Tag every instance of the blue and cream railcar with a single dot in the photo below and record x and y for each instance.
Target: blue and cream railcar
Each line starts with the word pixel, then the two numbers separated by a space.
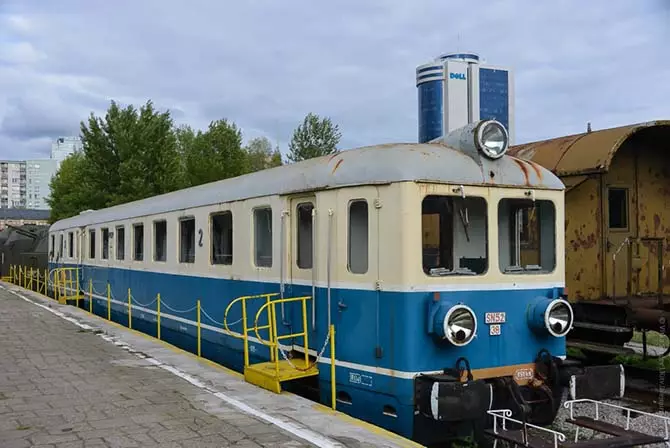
pixel 439 264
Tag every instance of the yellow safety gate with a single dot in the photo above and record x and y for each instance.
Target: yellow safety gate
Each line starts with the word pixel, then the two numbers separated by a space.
pixel 270 375
pixel 66 284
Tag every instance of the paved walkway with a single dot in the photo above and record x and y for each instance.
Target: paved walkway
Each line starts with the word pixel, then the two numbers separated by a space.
pixel 68 379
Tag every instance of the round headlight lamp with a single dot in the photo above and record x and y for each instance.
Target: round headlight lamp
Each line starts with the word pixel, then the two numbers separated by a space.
pixel 553 316
pixel 492 139
pixel 460 325
pixel 558 317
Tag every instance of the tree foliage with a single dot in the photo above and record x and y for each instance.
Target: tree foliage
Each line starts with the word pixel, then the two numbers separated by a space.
pixel 315 137
pixel 261 156
pixel 130 154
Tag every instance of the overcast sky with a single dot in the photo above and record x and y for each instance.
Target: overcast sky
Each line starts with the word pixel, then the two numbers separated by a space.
pixel 264 64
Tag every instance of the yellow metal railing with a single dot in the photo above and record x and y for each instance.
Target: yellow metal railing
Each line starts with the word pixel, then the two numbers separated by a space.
pixel 66 284
pixel 273 341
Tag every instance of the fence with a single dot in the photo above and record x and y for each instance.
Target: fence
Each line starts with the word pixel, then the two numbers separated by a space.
pixel 65 286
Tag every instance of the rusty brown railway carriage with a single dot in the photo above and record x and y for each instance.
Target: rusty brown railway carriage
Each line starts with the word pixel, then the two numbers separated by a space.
pixel 617 227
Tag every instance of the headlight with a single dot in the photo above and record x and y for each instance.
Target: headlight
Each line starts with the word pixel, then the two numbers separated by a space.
pixel 558 317
pixel 492 139
pixel 460 325
pixel 551 315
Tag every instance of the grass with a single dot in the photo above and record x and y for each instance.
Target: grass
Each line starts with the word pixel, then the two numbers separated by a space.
pixel 649 363
pixel 653 338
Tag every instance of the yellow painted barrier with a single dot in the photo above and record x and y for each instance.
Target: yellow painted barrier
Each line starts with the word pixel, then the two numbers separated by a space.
pixel 130 310
pixel 199 344
pixel 332 366
pixel 109 302
pixel 158 315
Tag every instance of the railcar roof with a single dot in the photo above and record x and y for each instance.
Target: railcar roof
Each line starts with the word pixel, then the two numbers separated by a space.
pixel 379 164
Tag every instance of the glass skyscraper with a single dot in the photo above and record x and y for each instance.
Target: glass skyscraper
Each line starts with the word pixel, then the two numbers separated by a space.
pixel 456 89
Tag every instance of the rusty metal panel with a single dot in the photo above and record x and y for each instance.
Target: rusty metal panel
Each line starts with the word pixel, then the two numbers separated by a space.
pixel 590 152
pixel 571 182
pixel 582 233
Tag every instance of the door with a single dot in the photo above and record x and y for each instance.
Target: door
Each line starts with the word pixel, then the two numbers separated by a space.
pixel 620 251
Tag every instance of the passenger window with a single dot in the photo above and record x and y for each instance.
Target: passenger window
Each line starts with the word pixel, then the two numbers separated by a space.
pixel 263 237
pixel 105 244
pixel 91 244
pixel 61 246
pixel 304 239
pixel 454 235
pixel 222 238
pixel 187 240
pixel 53 246
pixel 120 243
pixel 357 253
pixel 70 242
pixel 160 240
pixel 618 208
pixel 138 242
pixel 527 236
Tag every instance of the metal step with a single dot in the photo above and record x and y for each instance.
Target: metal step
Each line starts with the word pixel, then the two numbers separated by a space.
pixel 270 375
pixel 601 327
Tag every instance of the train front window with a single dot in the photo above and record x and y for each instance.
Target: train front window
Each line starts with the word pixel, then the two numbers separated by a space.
pixel 454 235
pixel 527 236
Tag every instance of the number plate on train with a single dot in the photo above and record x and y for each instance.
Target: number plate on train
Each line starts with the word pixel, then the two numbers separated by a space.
pixel 495 318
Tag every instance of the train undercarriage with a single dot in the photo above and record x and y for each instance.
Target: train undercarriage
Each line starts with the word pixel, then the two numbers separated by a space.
pixel 500 410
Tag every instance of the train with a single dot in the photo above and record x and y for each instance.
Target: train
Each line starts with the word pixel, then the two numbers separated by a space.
pixel 413 253
pixel 617 227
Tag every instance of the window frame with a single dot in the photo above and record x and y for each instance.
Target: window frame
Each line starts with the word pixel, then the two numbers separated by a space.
pixel 181 221
pixel 103 231
pixel 120 244
pixel 254 244
pixel 487 234
pixel 92 244
pixel 212 239
pixel 155 240
pixel 134 253
pixel 70 243
pixel 298 204
pixel 555 232
pixel 626 189
pixel 350 203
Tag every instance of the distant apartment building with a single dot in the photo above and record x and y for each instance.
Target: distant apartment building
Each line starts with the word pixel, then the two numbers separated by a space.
pixel 63 147
pixel 24 184
pixel 12 184
pixel 38 177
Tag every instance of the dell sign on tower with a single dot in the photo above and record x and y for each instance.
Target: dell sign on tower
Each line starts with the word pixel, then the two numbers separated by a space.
pixel 455 89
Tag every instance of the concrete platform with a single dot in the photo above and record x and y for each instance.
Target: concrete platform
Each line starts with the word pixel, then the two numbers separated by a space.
pixel 71 379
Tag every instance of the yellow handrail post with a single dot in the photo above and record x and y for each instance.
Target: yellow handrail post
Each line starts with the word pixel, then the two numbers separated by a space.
pixel 130 311
pixel 90 295
pixel 109 302
pixel 244 333
pixel 11 273
pixel 304 323
pixel 199 343
pixel 272 319
pixel 158 315
pixel 31 279
pixel 25 278
pixel 332 366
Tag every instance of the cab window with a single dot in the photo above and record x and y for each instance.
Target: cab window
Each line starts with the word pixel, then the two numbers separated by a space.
pixel 454 235
pixel 527 236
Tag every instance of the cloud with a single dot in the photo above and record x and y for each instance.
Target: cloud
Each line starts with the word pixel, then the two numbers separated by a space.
pixel 265 64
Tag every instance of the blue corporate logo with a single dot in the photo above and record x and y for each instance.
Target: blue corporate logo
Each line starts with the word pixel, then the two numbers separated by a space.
pixel 456 75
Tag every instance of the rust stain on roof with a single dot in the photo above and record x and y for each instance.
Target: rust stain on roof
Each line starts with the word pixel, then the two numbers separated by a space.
pixel 589 152
pixel 337 165
pixel 524 170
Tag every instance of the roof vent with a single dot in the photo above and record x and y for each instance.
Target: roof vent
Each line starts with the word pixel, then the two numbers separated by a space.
pixel 86 211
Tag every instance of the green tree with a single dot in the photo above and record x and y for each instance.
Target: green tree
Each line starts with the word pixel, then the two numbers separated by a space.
pixel 214 154
pixel 315 137
pixel 130 154
pixel 71 192
pixel 261 156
